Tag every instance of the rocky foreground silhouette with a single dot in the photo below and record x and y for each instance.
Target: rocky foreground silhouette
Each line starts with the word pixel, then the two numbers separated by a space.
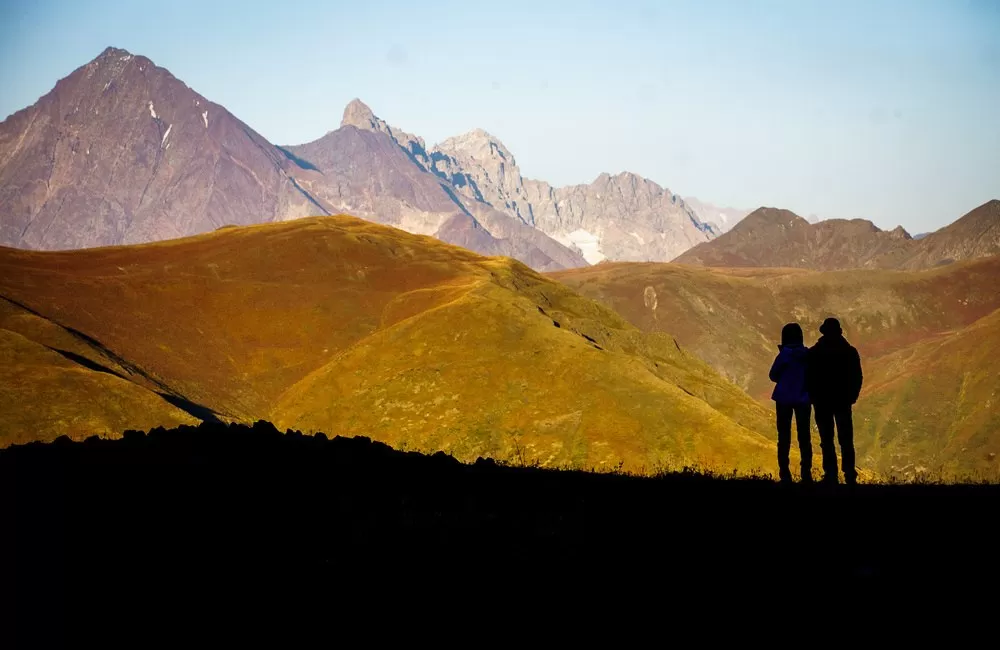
pixel 224 515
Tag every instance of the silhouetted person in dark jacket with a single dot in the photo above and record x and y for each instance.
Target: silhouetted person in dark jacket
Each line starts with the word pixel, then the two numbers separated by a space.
pixel 791 398
pixel 833 379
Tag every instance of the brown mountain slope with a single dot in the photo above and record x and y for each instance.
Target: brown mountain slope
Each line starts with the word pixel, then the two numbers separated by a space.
pixel 977 234
pixel 368 174
pixel 935 406
pixel 350 327
pixel 769 237
pixel 121 151
pixel 732 318
pixel 623 216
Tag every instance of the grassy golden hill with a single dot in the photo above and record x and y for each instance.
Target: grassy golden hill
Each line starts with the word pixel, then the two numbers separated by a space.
pixel 934 407
pixel 45 392
pixel 341 325
pixel 732 319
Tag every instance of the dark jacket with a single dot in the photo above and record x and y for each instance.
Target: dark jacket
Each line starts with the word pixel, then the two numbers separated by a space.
pixel 789 373
pixel 833 374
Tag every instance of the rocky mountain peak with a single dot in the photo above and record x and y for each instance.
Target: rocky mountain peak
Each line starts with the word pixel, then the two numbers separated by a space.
pixel 477 144
pixel 129 154
pixel 112 52
pixel 770 216
pixel 629 180
pixel 900 233
pixel 358 114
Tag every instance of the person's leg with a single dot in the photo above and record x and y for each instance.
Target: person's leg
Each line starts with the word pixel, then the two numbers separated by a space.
pixel 845 436
pixel 824 422
pixel 784 421
pixel 803 424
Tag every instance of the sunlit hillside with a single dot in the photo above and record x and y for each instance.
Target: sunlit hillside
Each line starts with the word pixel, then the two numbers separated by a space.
pixel 923 336
pixel 345 326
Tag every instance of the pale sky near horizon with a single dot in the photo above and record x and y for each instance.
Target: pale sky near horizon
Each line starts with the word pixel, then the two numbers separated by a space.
pixel 887 110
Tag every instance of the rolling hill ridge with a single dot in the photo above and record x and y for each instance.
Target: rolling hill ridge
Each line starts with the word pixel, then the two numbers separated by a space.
pixel 770 237
pixel 334 323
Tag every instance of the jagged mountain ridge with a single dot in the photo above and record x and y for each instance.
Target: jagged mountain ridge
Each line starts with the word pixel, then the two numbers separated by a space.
pixel 723 219
pixel 771 237
pixel 370 170
pixel 621 217
pixel 121 151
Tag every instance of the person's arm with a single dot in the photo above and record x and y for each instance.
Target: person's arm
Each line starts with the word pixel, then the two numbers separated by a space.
pixel 777 368
pixel 857 376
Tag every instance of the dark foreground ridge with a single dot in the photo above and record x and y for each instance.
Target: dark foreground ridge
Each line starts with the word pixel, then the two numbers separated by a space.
pixel 231 513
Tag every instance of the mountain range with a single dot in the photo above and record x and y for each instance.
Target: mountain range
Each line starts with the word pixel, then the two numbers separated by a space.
pixel 770 237
pixel 206 292
pixel 122 152
pixel 721 219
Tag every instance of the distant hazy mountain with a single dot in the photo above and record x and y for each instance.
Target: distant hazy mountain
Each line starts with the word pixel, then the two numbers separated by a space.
pixel 364 169
pixel 622 217
pixel 977 234
pixel 770 237
pixel 723 219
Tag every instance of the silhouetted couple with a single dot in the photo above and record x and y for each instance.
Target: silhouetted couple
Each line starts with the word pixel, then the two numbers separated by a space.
pixel 826 377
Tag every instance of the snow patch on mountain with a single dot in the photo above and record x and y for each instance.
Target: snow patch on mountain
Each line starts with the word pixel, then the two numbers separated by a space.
pixel 588 244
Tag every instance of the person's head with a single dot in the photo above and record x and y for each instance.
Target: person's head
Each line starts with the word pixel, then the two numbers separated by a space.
pixel 791 334
pixel 831 327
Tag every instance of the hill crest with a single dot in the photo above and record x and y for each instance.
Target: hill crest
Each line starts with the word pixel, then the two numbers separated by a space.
pixel 370 330
pixel 771 237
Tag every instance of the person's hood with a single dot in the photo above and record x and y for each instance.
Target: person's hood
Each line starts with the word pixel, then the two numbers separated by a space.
pixel 794 350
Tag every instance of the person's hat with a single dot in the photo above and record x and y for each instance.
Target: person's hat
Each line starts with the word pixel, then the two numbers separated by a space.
pixel 830 326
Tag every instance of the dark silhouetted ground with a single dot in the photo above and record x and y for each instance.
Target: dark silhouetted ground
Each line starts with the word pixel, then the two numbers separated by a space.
pixel 234 520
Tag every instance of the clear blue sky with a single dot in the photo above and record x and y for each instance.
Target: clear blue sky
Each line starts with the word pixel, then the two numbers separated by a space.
pixel 883 109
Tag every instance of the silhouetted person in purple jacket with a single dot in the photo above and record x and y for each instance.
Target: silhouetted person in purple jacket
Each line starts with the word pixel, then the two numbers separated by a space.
pixel 834 379
pixel 791 398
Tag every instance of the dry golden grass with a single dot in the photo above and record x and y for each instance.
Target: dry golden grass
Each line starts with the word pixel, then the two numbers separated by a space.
pixel 922 336
pixel 341 325
pixel 45 395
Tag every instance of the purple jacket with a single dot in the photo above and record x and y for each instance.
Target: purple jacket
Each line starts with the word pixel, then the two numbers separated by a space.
pixel 789 373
